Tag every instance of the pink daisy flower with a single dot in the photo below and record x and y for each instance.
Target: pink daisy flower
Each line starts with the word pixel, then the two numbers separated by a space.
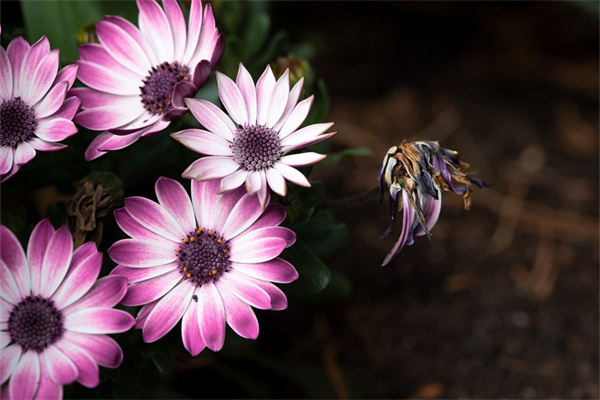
pixel 206 261
pixel 35 113
pixel 138 78
pixel 54 314
pixel 251 145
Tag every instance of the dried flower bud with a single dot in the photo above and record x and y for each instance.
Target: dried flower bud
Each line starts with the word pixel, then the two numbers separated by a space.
pixel 87 34
pixel 298 68
pixel 415 174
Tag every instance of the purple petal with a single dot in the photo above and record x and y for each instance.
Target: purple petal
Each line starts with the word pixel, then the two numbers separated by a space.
pixel 308 134
pixel 141 253
pixel 5 338
pixel 291 174
pixel 36 249
pixel 154 217
pixel 6 76
pixel 123 47
pixel 88 373
pixel 232 99
pixel 190 330
pixel 246 86
pixel 204 197
pixel 193 34
pixel 264 93
pixel 13 255
pixel 105 79
pixel 67 74
pixel 134 275
pixel 134 229
pixel 167 312
pixel 140 320
pixel 92 98
pixel 246 211
pixel 203 142
pixel 111 116
pixel 211 117
pixel 302 159
pixel 210 167
pixel 297 117
pixel 10 357
pixel 48 389
pixel 135 33
pixel 42 145
pixel 68 109
pixel 94 56
pixel 59 367
pixel 280 98
pixel 223 207
pixel 262 250
pixel 155 26
pixel 182 90
pixel 107 141
pixel 293 98
pixel 143 292
pixel 276 181
pixel 177 24
pixel 16 51
pixel 246 290
pixel 253 182
pixel 6 159
pixel 278 299
pixel 431 211
pixel 38 84
pixel 10 289
pixel 273 215
pixel 248 237
pixel 239 314
pixel 56 260
pixel 25 377
pixel 106 292
pixel 99 320
pixel 275 270
pixel 233 181
pixel 201 73
pixel 102 348
pixel 32 58
pixel 208 41
pixel 211 317
pixel 173 198
pixel 408 215
pixel 55 129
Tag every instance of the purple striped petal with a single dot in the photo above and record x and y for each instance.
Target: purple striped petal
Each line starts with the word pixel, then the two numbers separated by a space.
pixel 293 98
pixel 201 73
pixel 59 367
pixel 246 290
pixel 262 250
pixel 210 167
pixel 13 255
pixel 211 317
pixel 276 181
pixel 233 181
pixel 291 174
pixel 232 99
pixel 167 312
pixel 42 145
pixel 6 76
pixel 203 142
pixel 67 74
pixel 88 372
pixel 190 330
pixel 136 230
pixel 224 205
pixel 248 237
pixel 211 117
pixel 155 26
pixel 246 211
pixel 16 51
pixel 10 291
pixel 177 24
pixel 173 198
pixel 25 378
pixel 99 320
pixel 239 314
pixel 181 90
pixel 278 299
pixel 245 84
pixel 275 270
pixel 55 129
pixel 141 274
pixel 68 108
pixel 297 117
pixel 106 292
pixel 56 260
pixel 154 217
pixel 302 159
pixel 36 249
pixel 281 93
pixel 114 81
pixel 143 292
pixel 141 253
pixel 48 389
pixel 204 197
pixel 122 47
pixel 264 93
pixel 103 349
pixel 10 357
pixel 43 77
pixel 32 58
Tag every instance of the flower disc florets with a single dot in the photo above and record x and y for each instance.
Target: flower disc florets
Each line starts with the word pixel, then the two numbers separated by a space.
pixel 203 257
pixel 35 323
pixel 17 122
pixel 255 147
pixel 157 92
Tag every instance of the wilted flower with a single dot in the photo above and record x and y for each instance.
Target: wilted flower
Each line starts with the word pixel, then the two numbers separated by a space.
pixel 138 78
pixel 35 113
pixel 206 261
pixel 415 173
pixel 253 148
pixel 54 314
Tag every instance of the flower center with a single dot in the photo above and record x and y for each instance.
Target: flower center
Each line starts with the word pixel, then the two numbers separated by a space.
pixel 35 323
pixel 203 256
pixel 17 122
pixel 255 147
pixel 157 92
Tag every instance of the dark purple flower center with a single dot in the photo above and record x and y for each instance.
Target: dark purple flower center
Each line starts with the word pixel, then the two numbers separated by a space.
pixel 255 147
pixel 35 323
pixel 203 256
pixel 17 122
pixel 157 92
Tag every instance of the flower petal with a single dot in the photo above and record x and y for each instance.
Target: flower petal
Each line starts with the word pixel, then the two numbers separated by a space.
pixel 297 117
pixel 155 26
pixel 223 207
pixel 246 211
pixel 136 230
pixel 308 134
pixel 209 40
pixel 245 84
pixel 211 317
pixel 10 290
pixel 88 373
pixel 203 142
pixel 431 211
pixel 112 80
pixel 10 357
pixel 276 181
pixel 23 154
pixel 141 253
pixel 177 23
pixel 135 33
pixel 204 196
pixel 194 27
pixel 55 129
pixel 250 236
pixel 167 312
pixel 253 182
pixel 6 76
pixel 48 389
pixel 37 86
pixel 13 255
pixel 110 117
pixel 302 159
pixel 245 290
pixel 32 58
pixel 59 367
pixel 408 215
pixel 99 320
pixel 261 250
pixel 42 145
pixel 173 198
pixel 134 275
pixel 102 348
pixel 68 109
pixel 154 217
pixel 211 117
pixel 275 270
pixel 210 167
pixel 291 174
pixel 280 98
pixel 143 292
pixel 291 104
pixel 239 314
pixel 278 299
pixel 190 330
pixel 233 181
pixel 67 74
pixel 232 99
pixel 123 47
pixel 36 249
pixel 16 51
pixel 6 159
pixel 56 260
pixel 25 378
pixel 106 292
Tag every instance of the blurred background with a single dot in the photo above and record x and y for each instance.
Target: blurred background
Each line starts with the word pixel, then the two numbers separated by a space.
pixel 502 302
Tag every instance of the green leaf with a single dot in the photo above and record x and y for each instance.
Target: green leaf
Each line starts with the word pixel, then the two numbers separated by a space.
pixel 256 34
pixel 334 158
pixel 313 273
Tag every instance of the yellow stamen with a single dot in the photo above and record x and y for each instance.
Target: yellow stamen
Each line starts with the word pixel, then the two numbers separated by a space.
pixel 189 275
pixel 192 239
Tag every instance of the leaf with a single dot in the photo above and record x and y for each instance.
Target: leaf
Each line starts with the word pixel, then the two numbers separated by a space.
pixel 333 158
pixel 256 34
pixel 313 273
pixel 301 204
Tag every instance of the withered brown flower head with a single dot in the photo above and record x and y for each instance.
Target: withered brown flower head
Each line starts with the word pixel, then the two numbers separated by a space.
pixel 415 173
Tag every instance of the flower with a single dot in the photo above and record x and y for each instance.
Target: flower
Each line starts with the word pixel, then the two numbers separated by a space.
pixel 35 113
pixel 419 171
pixel 205 261
pixel 253 147
pixel 54 314
pixel 138 78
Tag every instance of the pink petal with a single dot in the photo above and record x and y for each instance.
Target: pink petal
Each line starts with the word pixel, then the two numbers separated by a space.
pixel 42 145
pixel 233 181
pixel 59 367
pixel 106 292
pixel 173 198
pixel 106 79
pixel 10 289
pixel 102 348
pixel 141 253
pixel 204 197
pixel 208 41
pixel 291 104
pixel 211 117
pixel 181 90
pixel 135 33
pixel 88 373
pixel 5 338
pixel 194 26
pixel 239 314
pixel 281 93
pixel 211 317
pixel 68 109
pixel 37 85
pixel 244 289
pixel 154 217
pixel 92 98
pixel 167 312
pixel 155 26
pixel 276 181
pixel 275 270
pixel 107 141
pixel 273 215
pixel 143 292
pixel 203 142
pixel 55 129
pixel 262 250
pixel 123 47
pixel 245 212
pixel 99 320
pixel 6 159
pixel 302 159
pixel 134 229
pixel 25 377
pixel 297 117
pixel 190 330
pixel 210 167
pixel 10 356
pixel 291 174
pixel 32 58
pixel 303 138
pixel 246 86
pixel 177 23
pixel 95 56
pixel 6 76
pixel 202 73
pixel 23 154
pixel 232 99
pixel 253 182
pixel 264 94
pixel 278 299
pixel 431 211
pixel 223 207
pixel 56 260
pixel 263 193
pixel 142 316
pixel 109 117
pixel 48 389
pixel 36 249
pixel 67 74
pixel 249 236
pixel 16 51
pixel 134 275
pixel 13 255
